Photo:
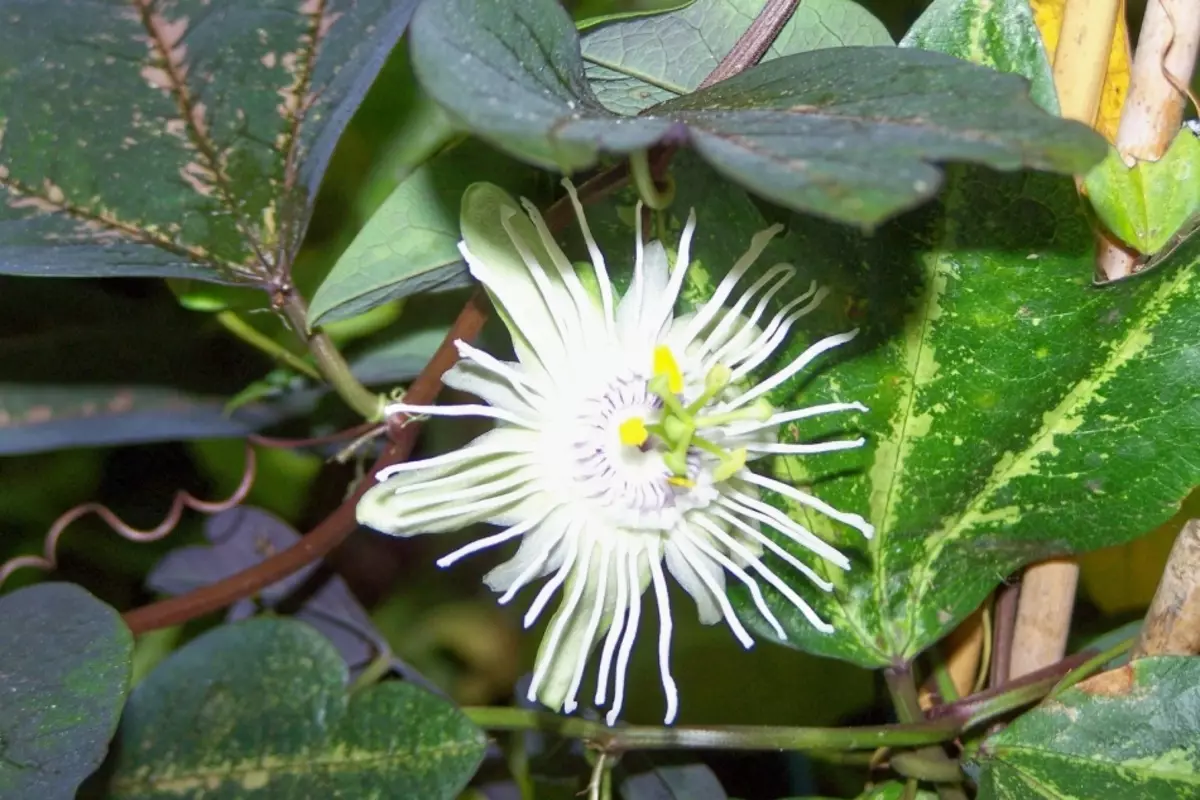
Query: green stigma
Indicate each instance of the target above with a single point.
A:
(679, 425)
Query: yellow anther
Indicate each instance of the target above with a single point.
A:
(686, 483)
(665, 364)
(633, 432)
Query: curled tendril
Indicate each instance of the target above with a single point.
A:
(48, 561)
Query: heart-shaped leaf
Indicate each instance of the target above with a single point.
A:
(64, 672)
(636, 62)
(259, 709)
(180, 138)
(846, 133)
(1131, 732)
(1146, 204)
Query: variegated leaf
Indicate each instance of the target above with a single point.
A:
(179, 138)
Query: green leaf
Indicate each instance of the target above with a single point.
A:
(999, 33)
(259, 709)
(65, 661)
(1133, 732)
(894, 790)
(88, 378)
(634, 63)
(1016, 412)
(1145, 205)
(180, 139)
(410, 244)
(846, 133)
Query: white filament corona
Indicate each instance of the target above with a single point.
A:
(622, 444)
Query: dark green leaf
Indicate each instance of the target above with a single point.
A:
(87, 378)
(259, 709)
(410, 245)
(846, 133)
(636, 62)
(64, 672)
(181, 138)
(1132, 733)
(36, 418)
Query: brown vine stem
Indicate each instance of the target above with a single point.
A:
(749, 49)
(48, 561)
(334, 529)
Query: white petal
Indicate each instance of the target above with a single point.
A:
(751, 356)
(670, 690)
(797, 364)
(687, 577)
(532, 559)
(410, 503)
(461, 410)
(473, 378)
(775, 420)
(635, 314)
(549, 652)
(487, 542)
(602, 278)
(498, 441)
(602, 601)
(571, 538)
(664, 307)
(730, 345)
(769, 575)
(794, 448)
(709, 310)
(496, 262)
(755, 593)
(589, 316)
(626, 596)
(685, 541)
(853, 520)
(540, 263)
(627, 639)
(755, 509)
(757, 536)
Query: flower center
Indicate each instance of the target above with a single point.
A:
(642, 451)
(678, 426)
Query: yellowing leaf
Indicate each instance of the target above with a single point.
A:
(1124, 577)
(1048, 14)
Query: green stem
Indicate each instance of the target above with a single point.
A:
(374, 672)
(243, 330)
(517, 757)
(903, 689)
(1087, 668)
(643, 180)
(924, 768)
(330, 361)
(732, 737)
(941, 676)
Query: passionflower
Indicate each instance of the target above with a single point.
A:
(622, 445)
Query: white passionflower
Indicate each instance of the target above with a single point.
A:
(621, 444)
